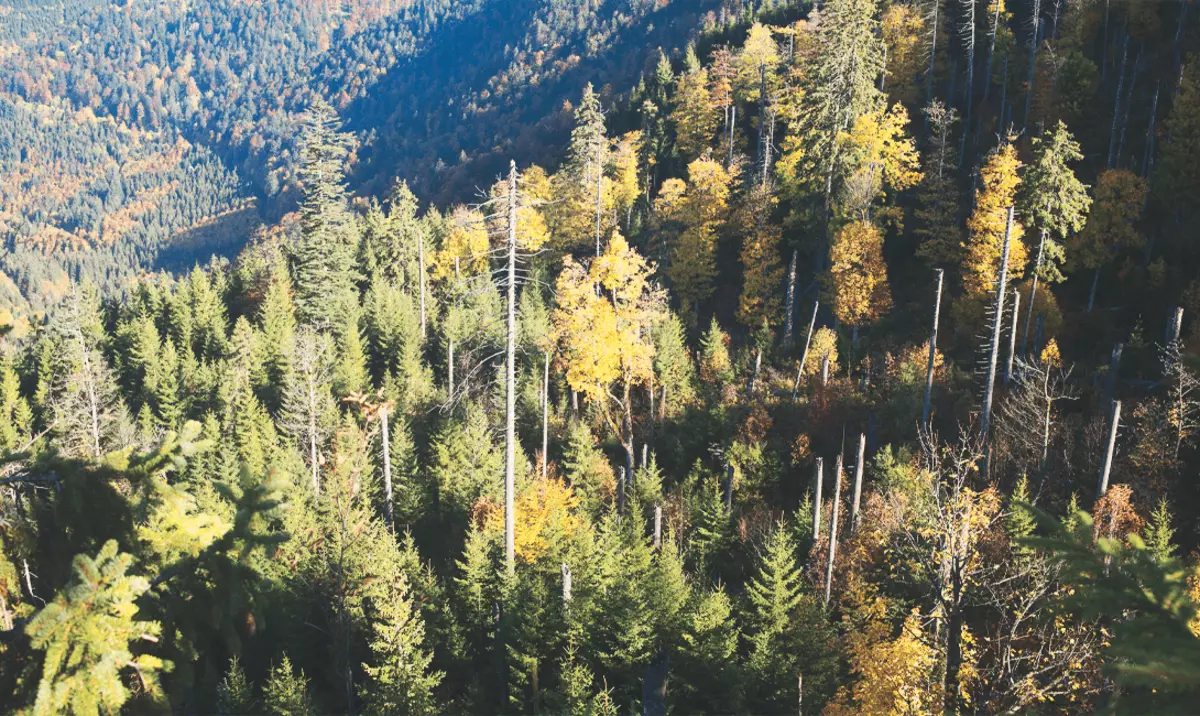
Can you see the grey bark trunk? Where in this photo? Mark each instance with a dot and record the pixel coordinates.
(833, 530)
(1012, 338)
(997, 320)
(1112, 135)
(858, 478)
(927, 412)
(1108, 452)
(1033, 287)
(1092, 293)
(812, 322)
(421, 269)
(789, 312)
(510, 382)
(545, 414)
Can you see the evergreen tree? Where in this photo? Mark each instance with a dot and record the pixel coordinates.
(286, 692)
(1054, 201)
(400, 678)
(937, 208)
(323, 257)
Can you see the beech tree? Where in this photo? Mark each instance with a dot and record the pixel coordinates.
(999, 182)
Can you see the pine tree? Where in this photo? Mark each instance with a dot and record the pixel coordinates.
(588, 140)
(937, 208)
(323, 257)
(707, 667)
(401, 681)
(286, 693)
(88, 633)
(1179, 179)
(234, 695)
(1055, 202)
(675, 374)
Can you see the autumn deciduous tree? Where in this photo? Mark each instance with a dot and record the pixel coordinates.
(903, 27)
(695, 114)
(858, 274)
(999, 181)
(877, 154)
(603, 320)
(699, 208)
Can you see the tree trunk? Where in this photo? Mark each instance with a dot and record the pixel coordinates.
(450, 369)
(757, 371)
(1033, 287)
(969, 90)
(657, 527)
(927, 412)
(932, 52)
(997, 319)
(833, 530)
(1115, 422)
(729, 486)
(1148, 154)
(566, 583)
(1092, 293)
(1176, 328)
(987, 77)
(510, 381)
(650, 392)
(545, 414)
(812, 322)
(1133, 75)
(1114, 369)
(732, 129)
(819, 478)
(421, 269)
(599, 189)
(387, 464)
(1012, 337)
(620, 490)
(790, 311)
(858, 477)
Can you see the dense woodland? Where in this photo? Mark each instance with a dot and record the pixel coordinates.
(844, 361)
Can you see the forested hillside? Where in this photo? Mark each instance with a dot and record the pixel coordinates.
(843, 360)
(203, 101)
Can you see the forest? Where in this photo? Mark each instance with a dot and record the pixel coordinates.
(827, 358)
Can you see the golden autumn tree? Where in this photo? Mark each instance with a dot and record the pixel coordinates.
(758, 51)
(699, 208)
(465, 247)
(999, 182)
(547, 516)
(858, 274)
(602, 322)
(761, 270)
(878, 155)
(626, 182)
(895, 675)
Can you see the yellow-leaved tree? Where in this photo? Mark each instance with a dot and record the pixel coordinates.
(699, 209)
(762, 273)
(603, 320)
(904, 33)
(998, 189)
(858, 274)
(878, 156)
(895, 675)
(464, 249)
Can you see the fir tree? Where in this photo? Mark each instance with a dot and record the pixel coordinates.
(286, 692)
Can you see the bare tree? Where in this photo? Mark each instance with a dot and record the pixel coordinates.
(308, 404)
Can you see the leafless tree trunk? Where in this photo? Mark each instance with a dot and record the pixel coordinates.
(566, 583)
(807, 344)
(657, 527)
(1112, 136)
(997, 319)
(421, 269)
(1108, 452)
(820, 478)
(1012, 338)
(927, 413)
(510, 382)
(1033, 287)
(385, 437)
(790, 311)
(833, 530)
(858, 477)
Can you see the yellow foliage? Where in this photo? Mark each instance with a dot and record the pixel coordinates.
(545, 515)
(532, 233)
(824, 345)
(878, 142)
(466, 245)
(626, 188)
(762, 273)
(1051, 356)
(859, 275)
(758, 50)
(700, 208)
(603, 332)
(895, 676)
(981, 264)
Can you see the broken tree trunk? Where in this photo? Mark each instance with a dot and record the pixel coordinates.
(1108, 453)
(858, 478)
(819, 478)
(807, 344)
(833, 530)
(1012, 338)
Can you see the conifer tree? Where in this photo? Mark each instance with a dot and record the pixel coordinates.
(937, 210)
(307, 400)
(88, 634)
(763, 274)
(401, 681)
(675, 374)
(323, 258)
(286, 692)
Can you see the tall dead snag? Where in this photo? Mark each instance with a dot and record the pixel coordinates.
(510, 382)
(833, 530)
(820, 478)
(1012, 338)
(812, 324)
(937, 310)
(858, 477)
(1108, 452)
(994, 346)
